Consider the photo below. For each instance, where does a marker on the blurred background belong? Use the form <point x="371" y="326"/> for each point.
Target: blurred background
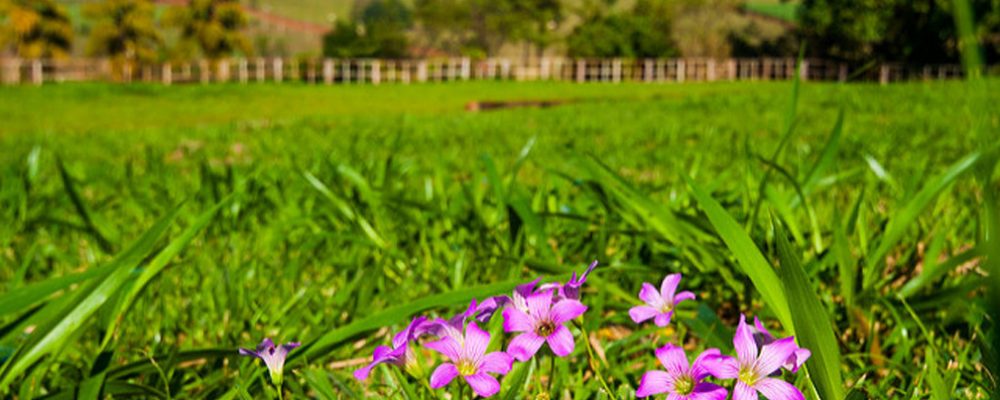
<point x="856" y="32"/>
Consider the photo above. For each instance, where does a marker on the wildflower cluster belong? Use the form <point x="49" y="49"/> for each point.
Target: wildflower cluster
<point x="756" y="367"/>
<point x="537" y="314"/>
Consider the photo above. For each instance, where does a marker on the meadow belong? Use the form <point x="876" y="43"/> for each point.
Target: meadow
<point x="147" y="232"/>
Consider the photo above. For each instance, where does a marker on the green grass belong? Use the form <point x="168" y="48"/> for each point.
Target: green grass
<point x="148" y="231"/>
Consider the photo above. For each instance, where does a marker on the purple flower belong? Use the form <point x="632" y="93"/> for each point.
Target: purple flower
<point x="571" y="290"/>
<point x="752" y="369"/>
<point x="469" y="359"/>
<point x="273" y="356"/>
<point x="659" y="304"/>
<point x="399" y="353"/>
<point x="762" y="337"/>
<point x="681" y="380"/>
<point x="541" y="322"/>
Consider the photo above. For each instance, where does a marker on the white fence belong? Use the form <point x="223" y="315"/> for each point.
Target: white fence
<point x="374" y="71"/>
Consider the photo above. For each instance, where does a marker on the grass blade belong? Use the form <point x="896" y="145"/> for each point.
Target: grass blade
<point x="54" y="333"/>
<point x="749" y="257"/>
<point x="813" y="329"/>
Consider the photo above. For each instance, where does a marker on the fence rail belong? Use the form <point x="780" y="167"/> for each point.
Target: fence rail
<point x="374" y="71"/>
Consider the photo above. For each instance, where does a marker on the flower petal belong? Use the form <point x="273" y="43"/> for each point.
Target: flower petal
<point x="698" y="370"/>
<point x="642" y="313"/>
<point x="774" y="354"/>
<point x="746" y="348"/>
<point x="476" y="341"/>
<point x="654" y="382"/>
<point x="663" y="319"/>
<point x="248" y="352"/>
<point x="650" y="295"/>
<point x="708" y="391"/>
<point x="762" y="331"/>
<point x="722" y="367"/>
<point x="669" y="286"/>
<point x="483" y="384"/>
<point x="561" y="341"/>
<point x="363" y="372"/>
<point x="410" y="332"/>
<point x="265" y="344"/>
<point x="515" y="320"/>
<point x="673" y="359"/>
<point x="797" y="359"/>
<point x="524" y="346"/>
<point x="539" y="303"/>
<point x="443" y="375"/>
<point x="743" y="392"/>
<point x="447" y="346"/>
<point x="682" y="296"/>
<point x="566" y="310"/>
<point x="496" y="362"/>
<point x="777" y="389"/>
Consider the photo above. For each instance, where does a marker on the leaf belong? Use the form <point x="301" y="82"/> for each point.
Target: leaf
<point x="102" y="231"/>
<point x="53" y="334"/>
<point x="749" y="257"/>
<point x="515" y="382"/>
<point x="903" y="219"/>
<point x="811" y="320"/>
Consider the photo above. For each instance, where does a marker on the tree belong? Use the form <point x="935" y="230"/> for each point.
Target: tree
<point x="124" y="30"/>
<point x="644" y="31"/>
<point x="442" y="24"/>
<point x="36" y="28"/>
<point x="378" y="30"/>
<point x="915" y="31"/>
<point x="212" y="26"/>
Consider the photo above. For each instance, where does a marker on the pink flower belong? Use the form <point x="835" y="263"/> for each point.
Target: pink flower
<point x="761" y="337"/>
<point x="752" y="369"/>
<point x="681" y="380"/>
<point x="469" y="359"/>
<point x="543" y="322"/>
<point x="659" y="304"/>
<point x="399" y="353"/>
<point x="571" y="290"/>
<point x="273" y="356"/>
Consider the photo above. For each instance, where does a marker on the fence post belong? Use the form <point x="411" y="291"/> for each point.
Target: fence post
<point x="279" y="69"/>
<point x="406" y="72"/>
<point x="36" y="72"/>
<point x="14" y="68"/>
<point x="327" y="71"/>
<point x="711" y="70"/>
<point x="883" y="74"/>
<point x="167" y="74"/>
<point x="581" y="71"/>
<point x="804" y="71"/>
<point x="244" y="71"/>
<point x="376" y="72"/>
<point x="422" y="71"/>
<point x="647" y="70"/>
<point x="223" y="75"/>
<point x="681" y="73"/>
<point x="466" y="68"/>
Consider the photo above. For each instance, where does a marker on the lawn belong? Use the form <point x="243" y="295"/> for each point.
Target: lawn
<point x="147" y="232"/>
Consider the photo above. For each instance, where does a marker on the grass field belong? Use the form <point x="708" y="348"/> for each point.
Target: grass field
<point x="146" y="232"/>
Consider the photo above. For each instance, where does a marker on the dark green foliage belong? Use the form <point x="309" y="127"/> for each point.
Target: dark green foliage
<point x="379" y="30"/>
<point x="642" y="32"/>
<point x="914" y="31"/>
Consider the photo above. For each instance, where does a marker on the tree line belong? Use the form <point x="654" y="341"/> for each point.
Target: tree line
<point x="853" y="31"/>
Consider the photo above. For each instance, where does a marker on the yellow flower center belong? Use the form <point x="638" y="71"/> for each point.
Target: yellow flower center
<point x="466" y="367"/>
<point x="666" y="307"/>
<point x="747" y="375"/>
<point x="684" y="385"/>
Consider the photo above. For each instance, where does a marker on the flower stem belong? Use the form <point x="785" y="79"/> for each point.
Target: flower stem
<point x="595" y="363"/>
<point x="552" y="375"/>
